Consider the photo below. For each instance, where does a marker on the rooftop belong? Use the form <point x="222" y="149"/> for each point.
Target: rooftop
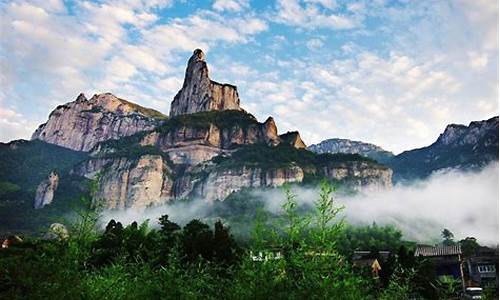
<point x="439" y="250"/>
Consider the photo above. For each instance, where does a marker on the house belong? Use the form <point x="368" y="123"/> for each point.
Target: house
<point x="367" y="259"/>
<point x="447" y="258"/>
<point x="482" y="268"/>
<point x="11" y="240"/>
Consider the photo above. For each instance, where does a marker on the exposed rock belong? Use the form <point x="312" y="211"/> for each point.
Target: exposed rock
<point x="294" y="139"/>
<point x="195" y="138"/>
<point x="458" y="147"/>
<point x="359" y="174"/>
<point x="352" y="147"/>
<point x="57" y="231"/>
<point x="221" y="183"/>
<point x="460" y="135"/>
<point x="45" y="191"/>
<point x="199" y="93"/>
<point x="125" y="182"/>
<point x="81" y="124"/>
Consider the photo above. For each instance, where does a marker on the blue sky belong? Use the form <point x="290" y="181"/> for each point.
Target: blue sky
<point x="392" y="73"/>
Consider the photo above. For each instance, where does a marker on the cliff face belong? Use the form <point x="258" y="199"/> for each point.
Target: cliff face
<point x="195" y="138"/>
<point x="219" y="184"/>
<point x="358" y="174"/>
<point x="81" y="124"/>
<point x="199" y="93"/>
<point x="126" y="183"/>
<point x="45" y="191"/>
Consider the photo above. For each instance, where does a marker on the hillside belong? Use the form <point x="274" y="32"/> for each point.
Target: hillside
<point x="459" y="146"/>
<point x="23" y="166"/>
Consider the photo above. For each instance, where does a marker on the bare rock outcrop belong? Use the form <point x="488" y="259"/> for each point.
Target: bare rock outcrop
<point x="219" y="184"/>
<point x="81" y="124"/>
<point x="195" y="138"/>
<point x="126" y="183"/>
<point x="45" y="191"/>
<point x="293" y="138"/>
<point x="199" y="93"/>
<point x="358" y="174"/>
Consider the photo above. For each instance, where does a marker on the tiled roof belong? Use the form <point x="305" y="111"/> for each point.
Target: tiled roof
<point x="440" y="250"/>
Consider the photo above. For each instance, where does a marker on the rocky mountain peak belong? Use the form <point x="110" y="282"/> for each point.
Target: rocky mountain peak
<point x="81" y="124"/>
<point x="198" y="55"/>
<point x="81" y="98"/>
<point x="294" y="139"/>
<point x="199" y="93"/>
<point x="458" y="135"/>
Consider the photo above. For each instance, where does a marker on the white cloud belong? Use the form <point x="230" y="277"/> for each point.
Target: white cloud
<point x="310" y="16"/>
<point x="230" y="5"/>
<point x="14" y="125"/>
<point x="464" y="202"/>
<point x="314" y="44"/>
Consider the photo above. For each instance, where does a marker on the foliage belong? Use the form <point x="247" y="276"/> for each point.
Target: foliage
<point x="469" y="246"/>
<point x="23" y="165"/>
<point x="448" y="287"/>
<point x="447" y="237"/>
<point x="197" y="261"/>
<point x="202" y="120"/>
<point x="282" y="155"/>
<point x="373" y="237"/>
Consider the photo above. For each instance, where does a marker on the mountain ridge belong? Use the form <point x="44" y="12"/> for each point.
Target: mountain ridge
<point x="340" y="145"/>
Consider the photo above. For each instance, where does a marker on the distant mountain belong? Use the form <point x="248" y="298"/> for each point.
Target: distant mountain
<point x="459" y="146"/>
<point x="352" y="147"/>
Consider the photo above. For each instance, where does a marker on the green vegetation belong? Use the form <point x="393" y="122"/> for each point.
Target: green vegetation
<point x="197" y="261"/>
<point x="130" y="147"/>
<point x="283" y="155"/>
<point x="149" y="112"/>
<point x="23" y="165"/>
<point x="222" y="119"/>
<point x="93" y="110"/>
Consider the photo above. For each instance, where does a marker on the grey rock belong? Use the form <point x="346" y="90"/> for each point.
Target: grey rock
<point x="45" y="191"/>
<point x="81" y="124"/>
<point x="199" y="93"/>
<point x="336" y="145"/>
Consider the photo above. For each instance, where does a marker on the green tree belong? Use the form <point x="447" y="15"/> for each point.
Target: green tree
<point x="469" y="246"/>
<point x="197" y="241"/>
<point x="447" y="237"/>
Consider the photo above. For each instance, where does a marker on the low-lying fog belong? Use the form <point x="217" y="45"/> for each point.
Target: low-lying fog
<point x="466" y="203"/>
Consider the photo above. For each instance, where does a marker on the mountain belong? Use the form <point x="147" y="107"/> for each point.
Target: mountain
<point x="459" y="146"/>
<point x="81" y="124"/>
<point x="208" y="148"/>
<point x="347" y="146"/>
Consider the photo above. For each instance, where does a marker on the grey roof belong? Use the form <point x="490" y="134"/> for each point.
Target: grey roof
<point x="439" y="250"/>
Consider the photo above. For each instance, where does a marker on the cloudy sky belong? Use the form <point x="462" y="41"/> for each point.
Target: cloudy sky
<point x="392" y="73"/>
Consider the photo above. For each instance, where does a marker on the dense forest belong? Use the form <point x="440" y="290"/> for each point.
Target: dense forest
<point x="297" y="256"/>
